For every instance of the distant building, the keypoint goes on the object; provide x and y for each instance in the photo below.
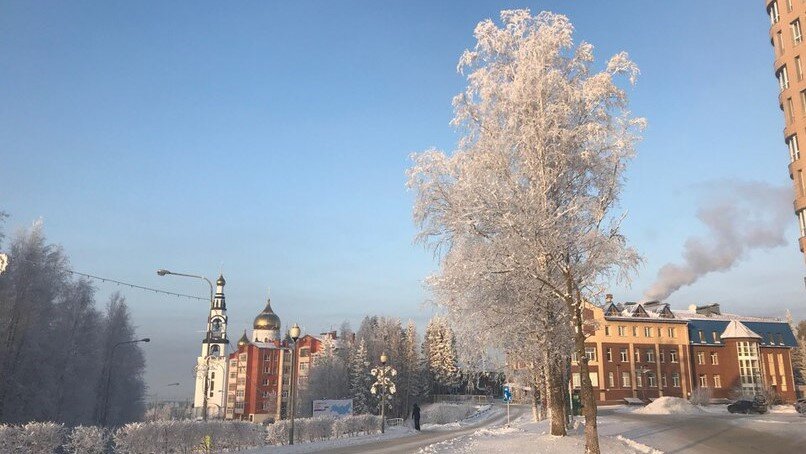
(786, 37)
(211, 365)
(260, 370)
(647, 350)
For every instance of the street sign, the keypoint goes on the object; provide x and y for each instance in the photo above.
(507, 394)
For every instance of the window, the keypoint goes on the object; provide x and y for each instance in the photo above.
(714, 358)
(304, 352)
(749, 376)
(637, 355)
(801, 184)
(802, 225)
(590, 353)
(783, 383)
(780, 362)
(647, 331)
(671, 332)
(609, 355)
(701, 358)
(703, 381)
(672, 356)
(239, 393)
(611, 379)
(789, 5)
(635, 331)
(783, 78)
(770, 363)
(622, 331)
(717, 381)
(660, 332)
(798, 68)
(662, 356)
(789, 111)
(702, 336)
(265, 382)
(780, 339)
(266, 370)
(594, 376)
(285, 394)
(650, 378)
(779, 43)
(575, 380)
(639, 379)
(607, 330)
(625, 379)
(797, 36)
(574, 358)
(717, 339)
(676, 380)
(663, 382)
(650, 356)
(794, 147)
(773, 12)
(624, 358)
(803, 100)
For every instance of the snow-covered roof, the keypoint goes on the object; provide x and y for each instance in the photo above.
(693, 315)
(737, 329)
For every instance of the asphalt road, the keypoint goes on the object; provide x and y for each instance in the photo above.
(709, 434)
(410, 444)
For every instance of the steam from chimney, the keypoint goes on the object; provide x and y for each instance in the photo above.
(740, 217)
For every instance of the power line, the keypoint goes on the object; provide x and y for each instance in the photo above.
(155, 290)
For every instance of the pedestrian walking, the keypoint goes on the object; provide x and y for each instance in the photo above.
(415, 413)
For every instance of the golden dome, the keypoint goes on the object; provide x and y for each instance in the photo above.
(267, 319)
(221, 280)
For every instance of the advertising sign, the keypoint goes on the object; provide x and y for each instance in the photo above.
(333, 408)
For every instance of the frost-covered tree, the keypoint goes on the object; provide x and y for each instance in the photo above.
(799, 352)
(409, 369)
(440, 349)
(360, 379)
(328, 377)
(532, 189)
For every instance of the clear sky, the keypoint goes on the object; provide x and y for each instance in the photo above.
(270, 140)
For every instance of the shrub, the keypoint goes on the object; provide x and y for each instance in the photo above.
(40, 437)
(701, 396)
(87, 440)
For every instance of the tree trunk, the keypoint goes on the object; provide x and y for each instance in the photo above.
(555, 396)
(588, 400)
(537, 393)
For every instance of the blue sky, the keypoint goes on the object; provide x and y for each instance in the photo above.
(270, 140)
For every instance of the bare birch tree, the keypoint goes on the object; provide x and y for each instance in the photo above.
(531, 192)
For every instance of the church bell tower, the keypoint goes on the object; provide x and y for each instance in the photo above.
(211, 366)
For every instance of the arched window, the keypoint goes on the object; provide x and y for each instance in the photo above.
(216, 325)
(214, 350)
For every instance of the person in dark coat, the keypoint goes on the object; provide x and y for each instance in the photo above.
(415, 413)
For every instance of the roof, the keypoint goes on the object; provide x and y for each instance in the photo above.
(738, 330)
(654, 310)
(771, 333)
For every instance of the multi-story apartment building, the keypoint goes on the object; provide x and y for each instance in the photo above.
(260, 370)
(786, 36)
(647, 350)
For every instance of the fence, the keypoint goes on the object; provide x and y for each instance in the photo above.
(462, 398)
(391, 422)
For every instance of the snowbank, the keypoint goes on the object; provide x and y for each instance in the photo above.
(668, 405)
(457, 416)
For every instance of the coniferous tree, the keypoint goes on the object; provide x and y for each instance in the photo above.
(442, 358)
(360, 379)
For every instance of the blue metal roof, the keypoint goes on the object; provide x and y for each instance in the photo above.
(778, 330)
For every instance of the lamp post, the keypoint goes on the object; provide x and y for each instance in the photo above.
(383, 384)
(294, 333)
(108, 385)
(164, 272)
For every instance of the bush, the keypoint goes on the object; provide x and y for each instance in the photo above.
(277, 433)
(87, 440)
(40, 437)
(701, 396)
(187, 436)
(444, 413)
(11, 438)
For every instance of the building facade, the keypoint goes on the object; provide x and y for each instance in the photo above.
(211, 365)
(260, 370)
(647, 350)
(786, 36)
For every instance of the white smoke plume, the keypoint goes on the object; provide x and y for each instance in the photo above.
(740, 217)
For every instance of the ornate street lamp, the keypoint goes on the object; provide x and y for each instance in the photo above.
(383, 385)
(293, 333)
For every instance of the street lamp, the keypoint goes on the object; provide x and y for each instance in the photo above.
(383, 384)
(108, 386)
(164, 272)
(294, 333)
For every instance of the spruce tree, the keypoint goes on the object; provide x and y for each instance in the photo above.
(360, 379)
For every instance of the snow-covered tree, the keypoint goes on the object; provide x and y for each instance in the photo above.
(799, 352)
(530, 193)
(441, 355)
(328, 376)
(360, 379)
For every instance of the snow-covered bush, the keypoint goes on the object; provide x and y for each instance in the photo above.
(701, 396)
(87, 440)
(187, 436)
(444, 413)
(354, 425)
(40, 437)
(10, 437)
(277, 433)
(313, 429)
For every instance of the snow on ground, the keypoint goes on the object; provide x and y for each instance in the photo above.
(469, 416)
(532, 437)
(668, 405)
(391, 433)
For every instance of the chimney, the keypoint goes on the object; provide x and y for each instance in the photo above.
(609, 298)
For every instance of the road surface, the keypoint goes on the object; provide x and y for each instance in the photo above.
(410, 444)
(709, 433)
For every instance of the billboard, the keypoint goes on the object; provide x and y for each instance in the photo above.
(333, 408)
